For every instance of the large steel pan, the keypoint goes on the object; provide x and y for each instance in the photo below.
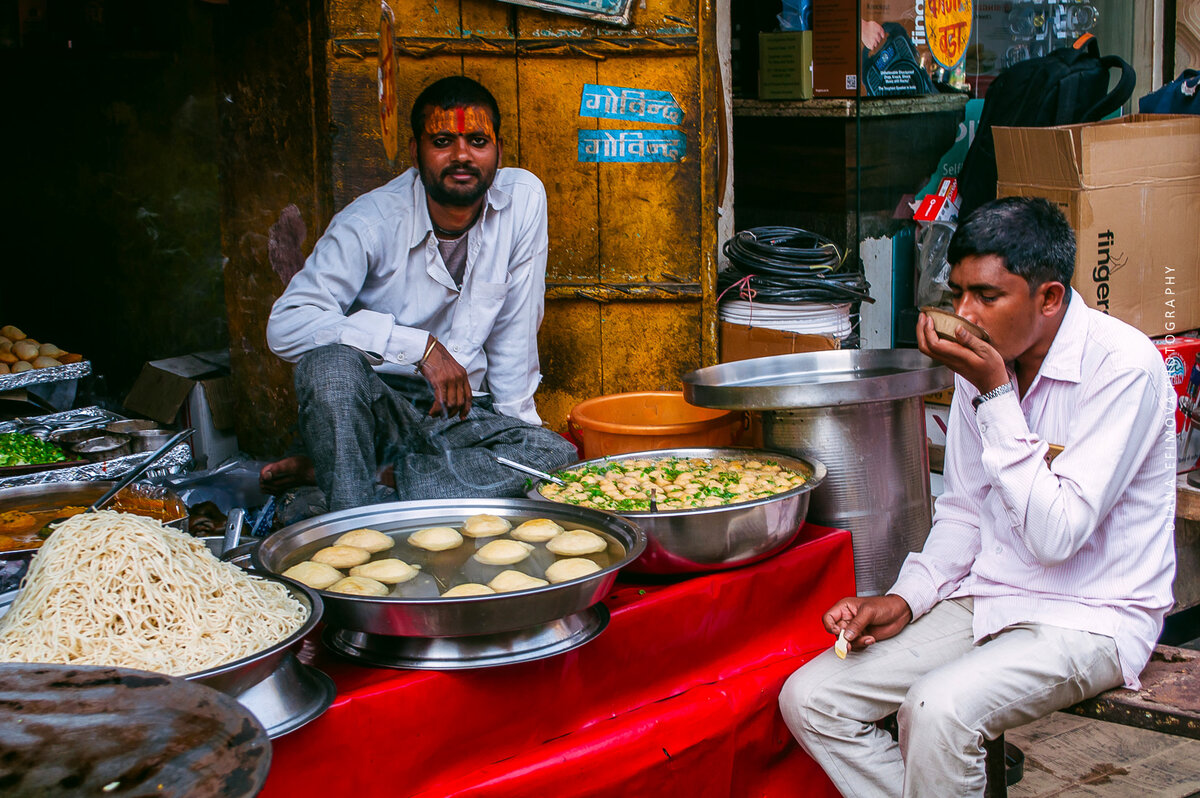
(716, 538)
(458, 616)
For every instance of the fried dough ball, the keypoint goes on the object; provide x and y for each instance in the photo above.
(539, 530)
(6, 356)
(25, 350)
(43, 362)
(50, 350)
(71, 358)
(367, 539)
(359, 586)
(342, 556)
(316, 575)
(12, 333)
(468, 589)
(570, 568)
(21, 365)
(390, 571)
(503, 552)
(485, 526)
(509, 581)
(577, 542)
(436, 538)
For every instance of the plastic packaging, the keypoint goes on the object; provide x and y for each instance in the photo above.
(933, 278)
(796, 15)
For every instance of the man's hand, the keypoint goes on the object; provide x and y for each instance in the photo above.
(448, 379)
(975, 359)
(867, 619)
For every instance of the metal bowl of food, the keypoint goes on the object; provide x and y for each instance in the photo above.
(272, 683)
(282, 693)
(681, 541)
(27, 512)
(416, 608)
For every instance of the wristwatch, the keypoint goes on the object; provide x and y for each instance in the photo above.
(999, 390)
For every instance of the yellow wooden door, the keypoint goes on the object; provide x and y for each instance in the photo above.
(632, 266)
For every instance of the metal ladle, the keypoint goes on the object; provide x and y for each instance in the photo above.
(533, 472)
(140, 469)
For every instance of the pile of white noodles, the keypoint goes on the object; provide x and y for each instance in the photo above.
(117, 589)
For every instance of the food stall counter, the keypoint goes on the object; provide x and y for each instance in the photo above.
(676, 697)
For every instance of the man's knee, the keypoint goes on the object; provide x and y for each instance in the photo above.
(331, 372)
(929, 706)
(803, 701)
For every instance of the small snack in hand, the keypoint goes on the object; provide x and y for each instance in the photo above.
(841, 647)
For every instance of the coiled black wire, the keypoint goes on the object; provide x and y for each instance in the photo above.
(786, 265)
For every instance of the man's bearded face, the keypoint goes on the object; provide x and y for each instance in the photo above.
(458, 154)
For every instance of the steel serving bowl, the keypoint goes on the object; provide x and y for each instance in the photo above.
(462, 615)
(234, 678)
(715, 538)
(281, 692)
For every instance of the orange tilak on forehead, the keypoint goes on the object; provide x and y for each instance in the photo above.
(471, 119)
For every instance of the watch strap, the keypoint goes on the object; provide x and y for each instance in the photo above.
(999, 390)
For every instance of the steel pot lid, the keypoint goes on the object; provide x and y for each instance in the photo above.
(816, 379)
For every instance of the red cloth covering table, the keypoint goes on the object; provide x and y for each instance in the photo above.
(677, 697)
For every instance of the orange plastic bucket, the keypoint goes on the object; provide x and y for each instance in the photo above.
(647, 420)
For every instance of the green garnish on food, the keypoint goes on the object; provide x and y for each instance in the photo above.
(673, 482)
(17, 449)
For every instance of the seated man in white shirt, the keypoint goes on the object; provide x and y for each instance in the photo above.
(1040, 584)
(414, 324)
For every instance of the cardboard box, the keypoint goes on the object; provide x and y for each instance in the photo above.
(193, 391)
(741, 342)
(785, 65)
(1179, 355)
(1131, 189)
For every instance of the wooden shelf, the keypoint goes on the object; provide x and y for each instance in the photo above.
(846, 109)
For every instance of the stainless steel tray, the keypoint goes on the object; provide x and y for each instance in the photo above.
(816, 379)
(71, 371)
(459, 616)
(464, 653)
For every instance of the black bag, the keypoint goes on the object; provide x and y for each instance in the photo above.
(1177, 97)
(1066, 87)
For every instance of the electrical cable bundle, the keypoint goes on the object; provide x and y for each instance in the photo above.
(788, 265)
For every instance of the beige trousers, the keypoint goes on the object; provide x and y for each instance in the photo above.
(950, 695)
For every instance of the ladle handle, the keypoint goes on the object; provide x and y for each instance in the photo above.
(175, 439)
(533, 472)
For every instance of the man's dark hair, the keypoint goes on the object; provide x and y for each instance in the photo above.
(455, 91)
(1030, 234)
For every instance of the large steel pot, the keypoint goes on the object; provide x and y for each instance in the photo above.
(715, 538)
(458, 616)
(861, 413)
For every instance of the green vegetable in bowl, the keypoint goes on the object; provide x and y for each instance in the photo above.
(17, 449)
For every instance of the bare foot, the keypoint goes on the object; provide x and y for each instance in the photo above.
(285, 474)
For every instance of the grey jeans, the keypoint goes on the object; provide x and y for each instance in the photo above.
(355, 422)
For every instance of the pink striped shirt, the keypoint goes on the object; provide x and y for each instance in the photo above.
(1085, 543)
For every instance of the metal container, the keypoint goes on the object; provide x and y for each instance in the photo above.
(283, 693)
(102, 447)
(457, 616)
(130, 425)
(716, 538)
(148, 440)
(141, 498)
(861, 413)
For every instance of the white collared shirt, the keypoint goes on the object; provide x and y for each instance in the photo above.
(376, 281)
(1085, 543)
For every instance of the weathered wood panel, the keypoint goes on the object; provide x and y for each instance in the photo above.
(269, 150)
